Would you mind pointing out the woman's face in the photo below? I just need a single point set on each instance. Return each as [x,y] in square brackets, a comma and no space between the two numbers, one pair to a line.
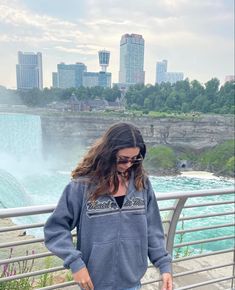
[126,157]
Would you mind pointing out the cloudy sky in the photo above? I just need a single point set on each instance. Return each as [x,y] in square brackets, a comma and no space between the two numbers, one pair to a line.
[196,37]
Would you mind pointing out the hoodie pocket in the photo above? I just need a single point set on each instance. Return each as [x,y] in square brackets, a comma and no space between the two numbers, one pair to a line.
[133,261]
[100,263]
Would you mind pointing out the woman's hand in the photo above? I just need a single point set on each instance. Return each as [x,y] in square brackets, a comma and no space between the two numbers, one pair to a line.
[167,281]
[83,278]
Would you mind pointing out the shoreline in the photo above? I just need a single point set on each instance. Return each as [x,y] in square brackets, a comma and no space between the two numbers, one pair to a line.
[204,175]
[192,174]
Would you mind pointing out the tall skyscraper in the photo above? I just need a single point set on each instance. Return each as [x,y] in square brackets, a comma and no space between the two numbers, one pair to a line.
[132,59]
[163,76]
[29,70]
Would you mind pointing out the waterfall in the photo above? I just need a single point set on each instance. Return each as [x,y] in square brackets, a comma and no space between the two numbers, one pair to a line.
[20,135]
[20,155]
[12,193]
[20,143]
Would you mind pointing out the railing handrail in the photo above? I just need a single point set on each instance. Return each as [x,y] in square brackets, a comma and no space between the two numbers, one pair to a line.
[174,216]
[42,209]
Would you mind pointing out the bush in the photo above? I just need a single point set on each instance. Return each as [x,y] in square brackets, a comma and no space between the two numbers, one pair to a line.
[161,157]
[12,269]
[220,159]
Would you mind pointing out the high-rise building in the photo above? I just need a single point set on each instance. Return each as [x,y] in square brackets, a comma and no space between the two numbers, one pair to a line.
[55,80]
[132,59]
[163,76]
[29,70]
[70,75]
[161,70]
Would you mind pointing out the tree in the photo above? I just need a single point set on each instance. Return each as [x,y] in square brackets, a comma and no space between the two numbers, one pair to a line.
[196,89]
[161,157]
[212,89]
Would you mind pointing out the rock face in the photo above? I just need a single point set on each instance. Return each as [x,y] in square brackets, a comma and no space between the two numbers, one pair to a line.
[194,133]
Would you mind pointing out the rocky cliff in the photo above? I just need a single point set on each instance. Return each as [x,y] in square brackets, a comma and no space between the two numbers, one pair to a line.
[195,133]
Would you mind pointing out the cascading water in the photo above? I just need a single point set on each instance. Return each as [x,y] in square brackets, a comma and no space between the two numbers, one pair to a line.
[12,192]
[20,143]
[25,177]
[20,159]
[20,154]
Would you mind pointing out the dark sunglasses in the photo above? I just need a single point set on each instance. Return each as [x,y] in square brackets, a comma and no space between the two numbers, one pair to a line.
[125,160]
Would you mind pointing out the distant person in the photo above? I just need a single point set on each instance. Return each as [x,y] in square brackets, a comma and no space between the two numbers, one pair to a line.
[112,204]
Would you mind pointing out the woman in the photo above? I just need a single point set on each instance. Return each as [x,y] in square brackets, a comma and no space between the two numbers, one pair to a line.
[112,204]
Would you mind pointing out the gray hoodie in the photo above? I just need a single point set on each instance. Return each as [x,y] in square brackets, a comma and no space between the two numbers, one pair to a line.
[112,243]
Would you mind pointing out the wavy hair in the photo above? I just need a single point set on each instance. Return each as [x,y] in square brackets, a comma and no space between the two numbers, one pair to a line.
[99,164]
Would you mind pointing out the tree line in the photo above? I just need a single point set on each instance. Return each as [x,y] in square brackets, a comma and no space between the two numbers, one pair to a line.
[181,97]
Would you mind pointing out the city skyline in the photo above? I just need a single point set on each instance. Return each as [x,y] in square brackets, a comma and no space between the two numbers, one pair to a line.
[195,37]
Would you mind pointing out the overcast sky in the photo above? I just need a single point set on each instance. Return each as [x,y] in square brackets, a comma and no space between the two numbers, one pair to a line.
[196,37]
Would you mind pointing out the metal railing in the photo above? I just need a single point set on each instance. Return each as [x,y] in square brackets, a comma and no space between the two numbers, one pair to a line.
[199,230]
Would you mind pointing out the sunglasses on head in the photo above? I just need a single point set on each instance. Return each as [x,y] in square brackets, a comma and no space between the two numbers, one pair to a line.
[125,160]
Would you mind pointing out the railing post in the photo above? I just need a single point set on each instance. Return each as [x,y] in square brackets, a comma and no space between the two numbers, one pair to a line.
[232,283]
[174,217]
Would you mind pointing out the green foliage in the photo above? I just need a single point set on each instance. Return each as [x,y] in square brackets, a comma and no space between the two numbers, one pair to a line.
[47,278]
[160,157]
[68,276]
[183,251]
[181,97]
[230,166]
[219,159]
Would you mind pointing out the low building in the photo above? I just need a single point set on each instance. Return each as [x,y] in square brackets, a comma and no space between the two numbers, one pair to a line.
[97,79]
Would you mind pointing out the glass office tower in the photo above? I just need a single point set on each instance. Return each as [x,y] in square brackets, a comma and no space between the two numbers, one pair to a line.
[29,71]
[132,59]
[70,75]
[161,70]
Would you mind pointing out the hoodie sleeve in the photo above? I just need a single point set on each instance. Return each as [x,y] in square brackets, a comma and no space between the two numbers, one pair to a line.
[156,241]
[57,230]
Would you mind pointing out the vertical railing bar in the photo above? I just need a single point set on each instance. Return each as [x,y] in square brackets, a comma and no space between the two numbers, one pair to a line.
[232,283]
[174,217]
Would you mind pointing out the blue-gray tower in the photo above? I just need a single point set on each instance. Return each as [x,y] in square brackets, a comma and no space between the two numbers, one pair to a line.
[104,56]
[132,59]
[29,70]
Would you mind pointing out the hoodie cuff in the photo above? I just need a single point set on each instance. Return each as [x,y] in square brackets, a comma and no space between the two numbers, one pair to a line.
[165,268]
[76,265]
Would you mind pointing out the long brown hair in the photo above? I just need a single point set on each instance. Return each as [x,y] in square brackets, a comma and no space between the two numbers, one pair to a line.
[99,164]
